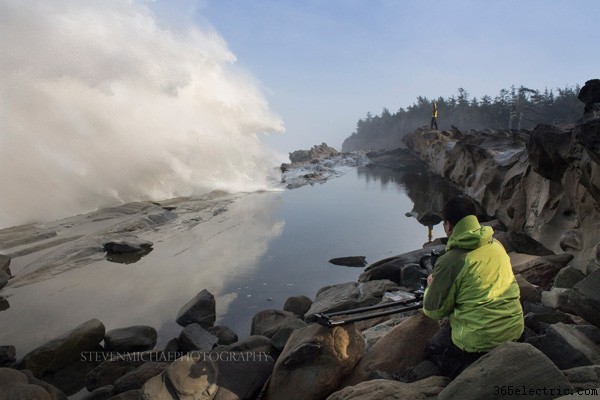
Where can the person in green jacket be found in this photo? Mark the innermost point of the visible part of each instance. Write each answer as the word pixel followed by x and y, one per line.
pixel 473 284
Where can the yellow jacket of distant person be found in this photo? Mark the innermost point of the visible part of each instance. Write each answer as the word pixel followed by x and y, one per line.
pixel 434 113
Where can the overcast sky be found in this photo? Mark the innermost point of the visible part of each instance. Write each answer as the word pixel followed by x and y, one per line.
pixel 323 64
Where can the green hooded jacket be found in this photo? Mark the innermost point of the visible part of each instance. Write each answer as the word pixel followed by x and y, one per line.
pixel 474 284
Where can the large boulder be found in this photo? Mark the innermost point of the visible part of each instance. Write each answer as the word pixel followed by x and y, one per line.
pixel 510 371
pixel 5 264
pixel 537 270
pixel 387 389
pixel 131 339
pixel 399 350
pixel 585 298
pixel 200 310
pixel 314 362
pixel 567 347
pixel 64 350
pixel 16 385
pixel 211 376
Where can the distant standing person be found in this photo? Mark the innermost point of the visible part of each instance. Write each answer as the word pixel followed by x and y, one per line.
pixel 434 115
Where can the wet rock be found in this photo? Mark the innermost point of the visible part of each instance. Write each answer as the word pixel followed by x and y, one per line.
pixel 205 378
pixel 135 379
pixel 4 304
pixel 225 334
pixel 528 291
pixel 568 277
pixel 515 365
pixel 349 295
pixel 16 385
pixel 355 261
pixel 314 362
pixel 399 350
pixel 539 271
pixel 7 355
pixel 112 369
pixel 582 378
pixel 516 242
pixel 585 298
pixel 127 245
pixel 298 305
pixel 194 337
pixel 269 322
pixel 567 347
pixel 592 332
pixel 200 310
pixel 131 339
pixel 392 268
pixel 64 350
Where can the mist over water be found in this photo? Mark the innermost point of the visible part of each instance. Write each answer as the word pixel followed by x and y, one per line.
pixel 99 105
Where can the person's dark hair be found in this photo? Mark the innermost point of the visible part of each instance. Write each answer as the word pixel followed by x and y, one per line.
pixel 457 208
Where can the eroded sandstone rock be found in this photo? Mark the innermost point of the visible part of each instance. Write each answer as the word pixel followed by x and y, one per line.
pixel 314 362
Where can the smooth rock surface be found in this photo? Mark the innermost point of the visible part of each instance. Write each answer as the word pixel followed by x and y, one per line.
pixel 314 362
pixel 585 298
pixel 200 310
pixel 298 305
pixel 131 339
pixel 510 365
pixel 269 322
pixel 194 337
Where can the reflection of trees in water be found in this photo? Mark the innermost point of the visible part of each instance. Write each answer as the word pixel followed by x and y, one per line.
pixel 427 191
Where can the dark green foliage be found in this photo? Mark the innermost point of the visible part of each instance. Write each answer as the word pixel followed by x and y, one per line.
pixel 517 108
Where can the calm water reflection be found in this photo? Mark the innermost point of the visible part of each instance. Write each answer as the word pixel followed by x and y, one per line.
pixel 266 247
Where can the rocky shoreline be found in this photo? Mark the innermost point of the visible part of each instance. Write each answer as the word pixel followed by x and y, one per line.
pixel 539 190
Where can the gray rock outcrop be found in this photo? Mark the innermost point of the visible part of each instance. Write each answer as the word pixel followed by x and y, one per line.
pixel 317 152
pixel 387 389
pixel 503 371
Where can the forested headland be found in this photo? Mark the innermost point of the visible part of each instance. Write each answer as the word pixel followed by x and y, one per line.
pixel 514 108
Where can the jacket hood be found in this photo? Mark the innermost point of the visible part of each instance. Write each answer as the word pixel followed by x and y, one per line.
pixel 469 234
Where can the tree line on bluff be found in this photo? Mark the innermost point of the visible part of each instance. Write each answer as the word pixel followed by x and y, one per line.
pixel 517 108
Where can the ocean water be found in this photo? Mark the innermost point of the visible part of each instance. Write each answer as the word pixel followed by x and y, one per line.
pixel 266 247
